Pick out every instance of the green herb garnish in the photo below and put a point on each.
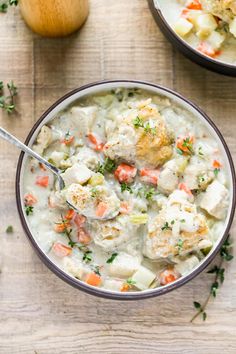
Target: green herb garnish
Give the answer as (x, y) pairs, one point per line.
(166, 226)
(216, 171)
(139, 123)
(108, 166)
(9, 229)
(180, 244)
(87, 256)
(7, 102)
(29, 210)
(111, 259)
(219, 272)
(130, 282)
(125, 187)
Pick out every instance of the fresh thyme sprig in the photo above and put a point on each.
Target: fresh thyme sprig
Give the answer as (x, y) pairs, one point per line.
(7, 103)
(5, 4)
(218, 280)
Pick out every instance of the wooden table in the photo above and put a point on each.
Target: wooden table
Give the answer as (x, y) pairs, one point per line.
(41, 314)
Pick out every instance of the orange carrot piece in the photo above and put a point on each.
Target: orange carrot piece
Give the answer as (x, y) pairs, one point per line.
(69, 140)
(83, 236)
(30, 199)
(125, 287)
(183, 187)
(98, 145)
(185, 144)
(217, 164)
(70, 214)
(125, 173)
(168, 276)
(61, 250)
(194, 5)
(206, 49)
(149, 175)
(124, 207)
(61, 227)
(42, 181)
(79, 220)
(93, 279)
(101, 209)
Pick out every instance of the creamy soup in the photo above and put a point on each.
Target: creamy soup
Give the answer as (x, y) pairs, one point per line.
(149, 177)
(207, 25)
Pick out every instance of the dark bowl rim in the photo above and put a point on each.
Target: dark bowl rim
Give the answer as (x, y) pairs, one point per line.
(81, 285)
(158, 15)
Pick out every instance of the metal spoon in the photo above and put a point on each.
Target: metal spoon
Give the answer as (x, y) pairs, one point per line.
(13, 140)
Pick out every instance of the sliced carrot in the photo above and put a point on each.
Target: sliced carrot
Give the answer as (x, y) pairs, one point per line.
(206, 49)
(79, 220)
(70, 214)
(168, 276)
(93, 279)
(101, 209)
(125, 287)
(98, 145)
(124, 207)
(61, 227)
(217, 164)
(149, 175)
(68, 140)
(30, 199)
(194, 5)
(185, 144)
(83, 236)
(183, 187)
(42, 181)
(61, 250)
(185, 13)
(125, 173)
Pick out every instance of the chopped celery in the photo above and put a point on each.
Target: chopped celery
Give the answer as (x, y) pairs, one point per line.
(139, 219)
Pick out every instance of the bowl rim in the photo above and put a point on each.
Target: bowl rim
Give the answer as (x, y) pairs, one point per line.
(206, 61)
(101, 292)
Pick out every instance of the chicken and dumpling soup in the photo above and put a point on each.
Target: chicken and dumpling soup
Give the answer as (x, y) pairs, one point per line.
(209, 26)
(152, 178)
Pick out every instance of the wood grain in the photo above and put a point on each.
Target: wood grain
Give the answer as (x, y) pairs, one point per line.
(38, 312)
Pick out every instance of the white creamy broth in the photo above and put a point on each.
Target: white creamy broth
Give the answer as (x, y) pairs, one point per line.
(211, 37)
(147, 165)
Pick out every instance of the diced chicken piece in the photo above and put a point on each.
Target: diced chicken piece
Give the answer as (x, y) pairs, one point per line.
(124, 265)
(89, 158)
(43, 140)
(215, 200)
(56, 157)
(78, 173)
(113, 284)
(111, 234)
(196, 174)
(185, 267)
(74, 267)
(143, 278)
(168, 178)
(83, 118)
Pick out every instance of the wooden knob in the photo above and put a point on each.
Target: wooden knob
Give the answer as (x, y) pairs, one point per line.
(54, 18)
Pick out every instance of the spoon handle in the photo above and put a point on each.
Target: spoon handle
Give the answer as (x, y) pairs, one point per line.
(13, 140)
